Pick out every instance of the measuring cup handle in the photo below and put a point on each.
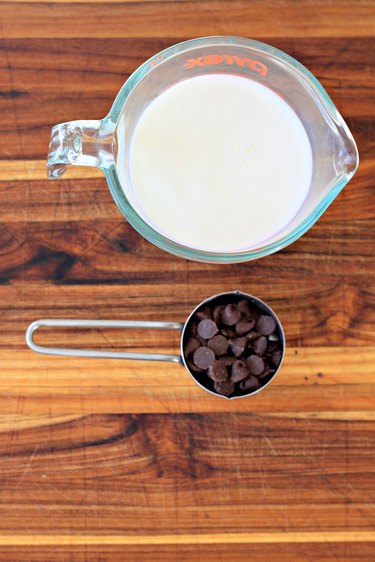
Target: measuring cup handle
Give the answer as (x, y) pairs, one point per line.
(80, 143)
(67, 323)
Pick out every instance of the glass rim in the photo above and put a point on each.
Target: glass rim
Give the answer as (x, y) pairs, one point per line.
(165, 243)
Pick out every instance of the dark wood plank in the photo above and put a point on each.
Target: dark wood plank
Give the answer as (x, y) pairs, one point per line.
(300, 552)
(102, 267)
(91, 472)
(44, 82)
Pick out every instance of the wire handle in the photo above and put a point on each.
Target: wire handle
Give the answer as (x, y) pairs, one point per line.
(72, 352)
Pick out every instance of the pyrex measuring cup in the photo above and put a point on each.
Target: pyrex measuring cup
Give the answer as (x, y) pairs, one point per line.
(99, 142)
(184, 328)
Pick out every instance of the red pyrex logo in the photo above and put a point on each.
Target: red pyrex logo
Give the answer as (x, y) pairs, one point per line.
(228, 59)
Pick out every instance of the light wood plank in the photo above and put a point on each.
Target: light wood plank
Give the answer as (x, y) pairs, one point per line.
(229, 538)
(288, 3)
(27, 170)
(192, 19)
(26, 194)
(35, 170)
(318, 379)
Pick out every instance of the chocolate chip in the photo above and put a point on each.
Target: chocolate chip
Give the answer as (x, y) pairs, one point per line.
(193, 329)
(217, 313)
(266, 325)
(191, 345)
(217, 371)
(202, 340)
(228, 332)
(251, 383)
(204, 313)
(244, 307)
(237, 346)
(251, 336)
(228, 360)
(203, 357)
(244, 326)
(193, 367)
(239, 371)
(231, 315)
(276, 358)
(218, 344)
(255, 364)
(226, 388)
(207, 328)
(259, 345)
(267, 371)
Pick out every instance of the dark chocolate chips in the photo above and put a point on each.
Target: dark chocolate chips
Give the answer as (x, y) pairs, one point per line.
(231, 346)
(237, 346)
(191, 345)
(217, 371)
(231, 315)
(207, 328)
(255, 365)
(226, 388)
(266, 325)
(203, 357)
(250, 384)
(239, 371)
(259, 345)
(218, 344)
(244, 326)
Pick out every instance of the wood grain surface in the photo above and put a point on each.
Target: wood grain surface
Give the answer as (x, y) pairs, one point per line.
(106, 460)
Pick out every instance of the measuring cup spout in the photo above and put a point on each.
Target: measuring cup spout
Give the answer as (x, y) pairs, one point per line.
(346, 152)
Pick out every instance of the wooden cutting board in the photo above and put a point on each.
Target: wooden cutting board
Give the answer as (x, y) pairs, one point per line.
(110, 461)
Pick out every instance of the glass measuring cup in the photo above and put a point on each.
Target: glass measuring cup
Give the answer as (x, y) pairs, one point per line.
(98, 143)
(183, 328)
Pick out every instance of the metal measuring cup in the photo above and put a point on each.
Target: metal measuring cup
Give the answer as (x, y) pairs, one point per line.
(184, 328)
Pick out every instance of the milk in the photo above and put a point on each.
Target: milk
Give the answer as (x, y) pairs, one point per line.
(219, 163)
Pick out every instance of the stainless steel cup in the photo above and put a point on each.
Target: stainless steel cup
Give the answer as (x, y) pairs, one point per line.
(182, 327)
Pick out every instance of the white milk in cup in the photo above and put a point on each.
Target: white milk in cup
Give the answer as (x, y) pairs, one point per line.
(219, 163)
(218, 149)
